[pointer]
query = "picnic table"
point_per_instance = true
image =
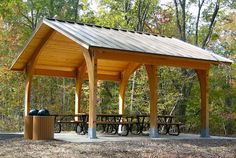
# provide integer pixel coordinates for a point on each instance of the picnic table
(78, 120)
(120, 124)
(111, 123)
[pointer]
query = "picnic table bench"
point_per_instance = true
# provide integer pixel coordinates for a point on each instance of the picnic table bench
(167, 125)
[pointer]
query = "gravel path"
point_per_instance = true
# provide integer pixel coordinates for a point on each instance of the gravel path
(15, 146)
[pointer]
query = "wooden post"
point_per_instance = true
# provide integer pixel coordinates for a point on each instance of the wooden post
(203, 80)
(123, 85)
(92, 97)
(124, 80)
(152, 78)
(28, 93)
(122, 89)
(78, 89)
(91, 63)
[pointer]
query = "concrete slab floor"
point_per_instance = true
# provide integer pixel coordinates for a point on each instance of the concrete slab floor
(75, 138)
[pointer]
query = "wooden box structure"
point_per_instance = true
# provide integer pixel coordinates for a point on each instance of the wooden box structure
(28, 128)
(43, 127)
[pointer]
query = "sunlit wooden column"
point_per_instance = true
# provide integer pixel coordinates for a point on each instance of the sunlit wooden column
(152, 78)
(91, 63)
(92, 97)
(123, 84)
(78, 88)
(122, 89)
(28, 120)
(203, 80)
(28, 93)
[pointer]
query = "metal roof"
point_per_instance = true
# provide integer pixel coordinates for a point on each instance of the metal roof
(104, 37)
(88, 36)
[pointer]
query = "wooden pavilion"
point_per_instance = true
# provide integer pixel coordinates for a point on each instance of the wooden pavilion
(83, 51)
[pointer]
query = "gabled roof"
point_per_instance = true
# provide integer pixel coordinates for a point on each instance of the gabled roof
(104, 37)
(93, 36)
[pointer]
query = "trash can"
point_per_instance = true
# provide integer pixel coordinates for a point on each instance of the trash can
(43, 127)
(28, 127)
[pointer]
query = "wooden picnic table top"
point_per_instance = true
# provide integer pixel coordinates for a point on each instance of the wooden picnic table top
(114, 115)
(110, 115)
(72, 115)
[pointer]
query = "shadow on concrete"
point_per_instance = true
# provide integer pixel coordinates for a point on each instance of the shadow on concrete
(5, 136)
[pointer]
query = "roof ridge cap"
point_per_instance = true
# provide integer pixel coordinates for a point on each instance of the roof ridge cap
(109, 28)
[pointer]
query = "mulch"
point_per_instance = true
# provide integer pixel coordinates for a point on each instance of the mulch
(13, 145)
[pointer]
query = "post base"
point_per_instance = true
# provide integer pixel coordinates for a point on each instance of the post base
(92, 133)
(205, 133)
(153, 133)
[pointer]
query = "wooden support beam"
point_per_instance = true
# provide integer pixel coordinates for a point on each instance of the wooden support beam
(124, 80)
(54, 67)
(30, 70)
(72, 74)
(153, 59)
(203, 81)
(56, 73)
(78, 87)
(105, 77)
(91, 63)
(152, 79)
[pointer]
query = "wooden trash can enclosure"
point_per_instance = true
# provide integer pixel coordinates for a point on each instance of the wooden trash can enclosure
(43, 127)
(28, 128)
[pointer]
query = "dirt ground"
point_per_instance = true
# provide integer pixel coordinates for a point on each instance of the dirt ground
(15, 146)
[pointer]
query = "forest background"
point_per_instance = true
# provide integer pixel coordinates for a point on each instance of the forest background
(209, 24)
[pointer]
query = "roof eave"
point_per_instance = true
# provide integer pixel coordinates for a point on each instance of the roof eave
(22, 49)
(44, 21)
(161, 55)
(68, 35)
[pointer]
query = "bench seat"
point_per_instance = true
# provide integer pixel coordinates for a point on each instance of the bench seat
(170, 128)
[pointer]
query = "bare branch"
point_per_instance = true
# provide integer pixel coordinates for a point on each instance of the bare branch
(183, 6)
(139, 14)
(76, 10)
(28, 19)
(211, 26)
(200, 4)
(144, 16)
(177, 18)
(32, 14)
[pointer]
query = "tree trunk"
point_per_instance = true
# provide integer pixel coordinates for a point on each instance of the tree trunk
(228, 104)
(76, 10)
(63, 96)
(200, 4)
(51, 10)
(132, 91)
